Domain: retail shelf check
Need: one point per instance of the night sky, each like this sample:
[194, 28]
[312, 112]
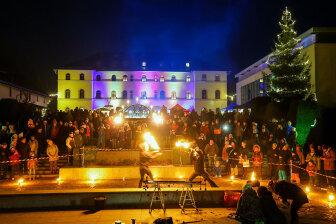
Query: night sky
[37, 36]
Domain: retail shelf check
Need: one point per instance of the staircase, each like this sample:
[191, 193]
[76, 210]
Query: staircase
[43, 168]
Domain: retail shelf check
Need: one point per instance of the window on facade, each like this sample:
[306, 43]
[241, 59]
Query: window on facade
[217, 94]
[98, 94]
[143, 95]
[161, 78]
[131, 94]
[188, 95]
[67, 93]
[81, 76]
[81, 94]
[187, 64]
[188, 78]
[67, 76]
[173, 95]
[217, 78]
[252, 90]
[132, 78]
[113, 94]
[162, 95]
[156, 78]
[173, 78]
[125, 78]
[143, 78]
[98, 78]
[144, 64]
[204, 77]
[155, 94]
[114, 78]
[10, 91]
[204, 94]
[124, 94]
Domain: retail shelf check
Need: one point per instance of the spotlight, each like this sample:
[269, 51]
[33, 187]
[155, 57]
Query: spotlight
[226, 127]
[331, 197]
[307, 189]
[117, 120]
[232, 177]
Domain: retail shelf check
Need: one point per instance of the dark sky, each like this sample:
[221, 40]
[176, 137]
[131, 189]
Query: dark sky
[37, 36]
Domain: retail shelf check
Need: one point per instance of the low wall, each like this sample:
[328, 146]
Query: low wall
[119, 172]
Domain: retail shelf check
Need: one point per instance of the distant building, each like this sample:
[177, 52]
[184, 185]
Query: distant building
[12, 91]
[319, 44]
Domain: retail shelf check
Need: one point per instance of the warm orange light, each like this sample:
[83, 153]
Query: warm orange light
[232, 177]
[331, 197]
[20, 182]
[307, 189]
[150, 140]
[253, 177]
[181, 177]
[118, 120]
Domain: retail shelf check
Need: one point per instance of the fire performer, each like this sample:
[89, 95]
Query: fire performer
[198, 159]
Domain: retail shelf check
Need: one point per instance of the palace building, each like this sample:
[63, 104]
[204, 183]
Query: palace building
[99, 87]
[319, 43]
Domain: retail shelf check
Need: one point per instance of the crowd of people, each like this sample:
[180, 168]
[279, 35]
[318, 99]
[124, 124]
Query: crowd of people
[228, 141]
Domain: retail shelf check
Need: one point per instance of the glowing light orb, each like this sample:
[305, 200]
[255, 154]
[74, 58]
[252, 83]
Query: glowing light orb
[157, 119]
[20, 182]
[117, 120]
[232, 177]
[181, 177]
[225, 127]
[307, 189]
[331, 197]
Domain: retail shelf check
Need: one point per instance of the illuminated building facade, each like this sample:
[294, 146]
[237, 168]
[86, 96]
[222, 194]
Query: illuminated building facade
[93, 89]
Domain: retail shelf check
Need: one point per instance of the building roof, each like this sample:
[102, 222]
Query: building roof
[22, 88]
[134, 62]
[324, 34]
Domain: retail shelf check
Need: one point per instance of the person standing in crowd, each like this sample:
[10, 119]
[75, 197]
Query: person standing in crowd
[211, 150]
[52, 152]
[295, 168]
[273, 159]
[233, 160]
[217, 133]
[3, 160]
[78, 144]
[329, 164]
[217, 169]
[14, 158]
[70, 144]
[41, 142]
[285, 158]
[312, 172]
[312, 156]
[238, 133]
[32, 165]
[33, 144]
[24, 150]
[101, 136]
[257, 159]
[244, 153]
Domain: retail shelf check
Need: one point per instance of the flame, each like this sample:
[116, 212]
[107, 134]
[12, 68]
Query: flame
[150, 140]
[331, 197]
[253, 177]
[232, 177]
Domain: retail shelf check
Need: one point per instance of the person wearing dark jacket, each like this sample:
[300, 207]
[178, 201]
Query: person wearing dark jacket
[273, 157]
[244, 153]
[286, 191]
[233, 160]
[269, 208]
[3, 158]
[24, 150]
[198, 159]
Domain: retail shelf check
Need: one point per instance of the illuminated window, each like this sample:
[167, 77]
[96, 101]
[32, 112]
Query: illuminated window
[155, 94]
[143, 95]
[113, 94]
[114, 78]
[217, 94]
[81, 76]
[98, 94]
[188, 95]
[173, 95]
[124, 94]
[156, 78]
[204, 94]
[81, 94]
[144, 79]
[162, 95]
[217, 78]
[125, 78]
[131, 94]
[98, 78]
[187, 65]
[67, 76]
[144, 64]
[67, 93]
[173, 78]
[204, 77]
[161, 78]
[188, 78]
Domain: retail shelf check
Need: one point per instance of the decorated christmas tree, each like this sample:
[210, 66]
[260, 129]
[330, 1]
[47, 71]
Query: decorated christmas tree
[290, 69]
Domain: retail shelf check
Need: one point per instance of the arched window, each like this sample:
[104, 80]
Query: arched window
[98, 78]
[67, 93]
[173, 95]
[125, 78]
[81, 94]
[144, 78]
[155, 94]
[67, 76]
[204, 94]
[124, 94]
[161, 78]
[132, 78]
[204, 77]
[131, 94]
[162, 95]
[81, 76]
[113, 94]
[114, 78]
[143, 95]
[98, 94]
[173, 78]
[217, 78]
[188, 95]
[217, 94]
[156, 78]
[188, 78]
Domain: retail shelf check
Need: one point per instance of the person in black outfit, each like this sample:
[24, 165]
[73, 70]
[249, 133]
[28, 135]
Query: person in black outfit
[273, 157]
[198, 159]
[145, 157]
[286, 191]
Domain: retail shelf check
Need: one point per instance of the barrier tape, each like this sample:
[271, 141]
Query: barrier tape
[96, 149]
[315, 172]
[41, 158]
